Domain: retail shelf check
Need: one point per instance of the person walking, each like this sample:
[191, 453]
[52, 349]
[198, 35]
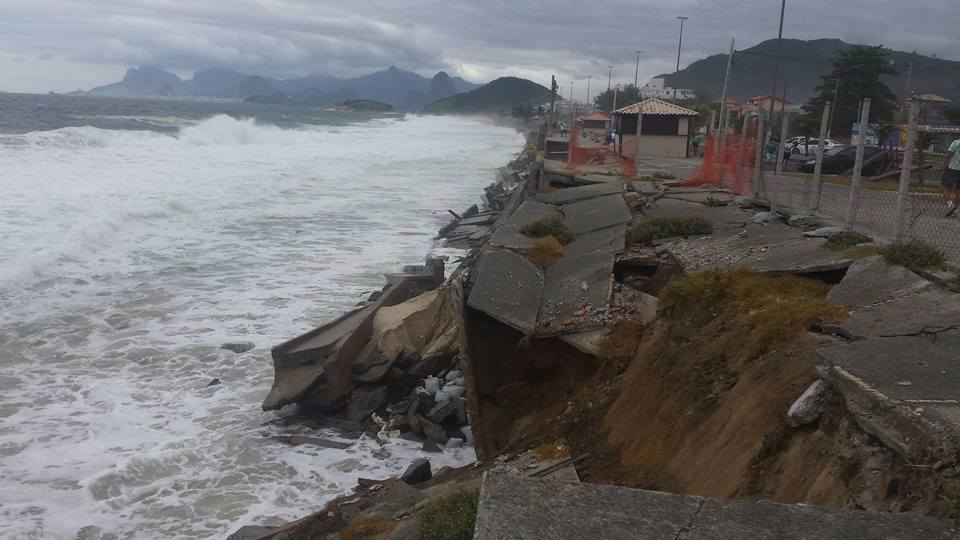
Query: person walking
[951, 178]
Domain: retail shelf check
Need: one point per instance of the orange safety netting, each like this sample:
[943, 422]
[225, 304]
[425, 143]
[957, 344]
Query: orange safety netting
[593, 155]
[727, 163]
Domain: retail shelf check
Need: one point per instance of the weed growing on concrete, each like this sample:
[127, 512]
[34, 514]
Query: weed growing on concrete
[846, 240]
[915, 255]
[667, 228]
[545, 251]
[450, 518]
[365, 527]
[713, 202]
[552, 226]
[773, 309]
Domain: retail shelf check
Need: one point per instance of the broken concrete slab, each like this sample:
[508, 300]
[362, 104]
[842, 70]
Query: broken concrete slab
[595, 214]
[903, 390]
[529, 211]
[871, 280]
[570, 195]
[722, 218]
[572, 289]
[529, 508]
[800, 257]
[932, 309]
[700, 196]
[611, 240]
[483, 219]
[509, 288]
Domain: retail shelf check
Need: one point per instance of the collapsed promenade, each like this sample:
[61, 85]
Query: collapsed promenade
[672, 384]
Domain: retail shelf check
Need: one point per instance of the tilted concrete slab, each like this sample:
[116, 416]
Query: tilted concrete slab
[931, 309]
[510, 237]
[574, 194]
[871, 280]
[595, 214]
[722, 218]
[508, 288]
[528, 508]
[610, 240]
[572, 289]
[903, 390]
[801, 257]
[700, 196]
[529, 211]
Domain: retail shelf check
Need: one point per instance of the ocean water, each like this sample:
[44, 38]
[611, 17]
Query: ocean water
[135, 239]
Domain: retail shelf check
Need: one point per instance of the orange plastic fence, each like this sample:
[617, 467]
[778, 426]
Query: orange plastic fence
[727, 163]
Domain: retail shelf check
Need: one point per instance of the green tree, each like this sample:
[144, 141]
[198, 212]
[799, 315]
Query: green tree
[627, 95]
[859, 68]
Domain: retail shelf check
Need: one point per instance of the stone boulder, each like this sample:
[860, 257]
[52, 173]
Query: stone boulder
[418, 471]
[809, 406]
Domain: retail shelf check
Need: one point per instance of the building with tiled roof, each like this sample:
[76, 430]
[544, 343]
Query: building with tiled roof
[665, 129]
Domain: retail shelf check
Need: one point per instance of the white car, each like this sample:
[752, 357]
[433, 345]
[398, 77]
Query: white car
[808, 147]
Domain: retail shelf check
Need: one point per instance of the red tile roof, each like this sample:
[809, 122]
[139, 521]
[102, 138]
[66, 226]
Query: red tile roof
[656, 106]
[595, 116]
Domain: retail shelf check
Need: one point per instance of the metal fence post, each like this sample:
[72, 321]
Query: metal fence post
[905, 169]
[818, 168]
[778, 176]
[858, 164]
[758, 165]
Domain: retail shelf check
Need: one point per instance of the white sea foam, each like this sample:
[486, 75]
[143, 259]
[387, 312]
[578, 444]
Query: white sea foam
[127, 259]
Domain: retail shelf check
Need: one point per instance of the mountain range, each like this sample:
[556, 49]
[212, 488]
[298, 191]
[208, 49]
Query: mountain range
[801, 65]
[405, 90]
[499, 95]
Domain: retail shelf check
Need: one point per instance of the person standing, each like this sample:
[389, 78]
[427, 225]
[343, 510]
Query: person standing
[951, 178]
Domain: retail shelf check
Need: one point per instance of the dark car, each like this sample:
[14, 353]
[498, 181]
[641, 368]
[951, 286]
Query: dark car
[840, 159]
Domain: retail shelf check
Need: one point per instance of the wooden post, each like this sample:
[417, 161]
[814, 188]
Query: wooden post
[818, 167]
[905, 168]
[636, 145]
[858, 164]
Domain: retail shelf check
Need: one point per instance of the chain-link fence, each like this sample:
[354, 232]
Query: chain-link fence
[875, 208]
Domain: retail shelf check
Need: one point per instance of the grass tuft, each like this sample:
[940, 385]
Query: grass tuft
[846, 240]
[551, 226]
[364, 527]
[668, 227]
[713, 202]
[915, 255]
[623, 339]
[772, 309]
[545, 251]
[449, 518]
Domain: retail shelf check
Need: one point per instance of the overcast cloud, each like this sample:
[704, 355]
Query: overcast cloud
[64, 45]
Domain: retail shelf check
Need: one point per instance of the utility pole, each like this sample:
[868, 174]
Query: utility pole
[723, 95]
[588, 90]
[679, 45]
[906, 93]
[609, 76]
[636, 74]
[833, 107]
[776, 62]
[553, 93]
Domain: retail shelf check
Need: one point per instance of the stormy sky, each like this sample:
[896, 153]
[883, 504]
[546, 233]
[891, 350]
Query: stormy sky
[64, 45]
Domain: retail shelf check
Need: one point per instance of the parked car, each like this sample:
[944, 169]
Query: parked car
[841, 158]
[808, 147]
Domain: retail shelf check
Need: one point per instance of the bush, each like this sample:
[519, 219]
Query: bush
[846, 240]
[552, 226]
[545, 251]
[668, 227]
[449, 518]
[915, 255]
[773, 309]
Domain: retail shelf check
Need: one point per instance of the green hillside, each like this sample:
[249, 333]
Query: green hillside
[802, 63]
[501, 94]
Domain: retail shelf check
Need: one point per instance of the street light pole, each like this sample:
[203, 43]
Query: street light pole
[679, 45]
[776, 64]
[609, 75]
[636, 74]
[588, 90]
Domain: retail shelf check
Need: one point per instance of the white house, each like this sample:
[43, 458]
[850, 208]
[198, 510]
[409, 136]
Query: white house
[656, 88]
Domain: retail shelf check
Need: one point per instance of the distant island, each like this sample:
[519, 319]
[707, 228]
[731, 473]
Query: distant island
[367, 105]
